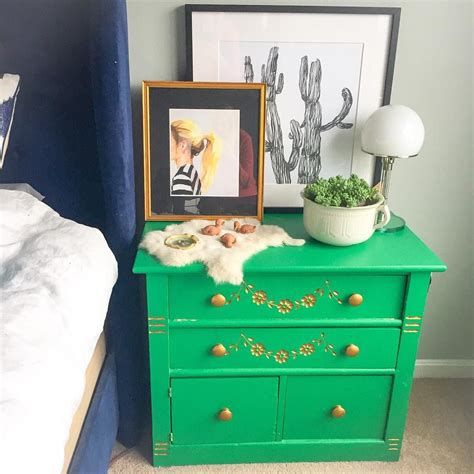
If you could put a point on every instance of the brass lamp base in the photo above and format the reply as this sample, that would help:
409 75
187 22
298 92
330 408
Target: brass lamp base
395 223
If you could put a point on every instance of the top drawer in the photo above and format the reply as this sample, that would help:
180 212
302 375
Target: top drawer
286 295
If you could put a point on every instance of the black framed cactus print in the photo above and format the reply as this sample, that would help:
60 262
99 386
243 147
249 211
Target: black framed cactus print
326 69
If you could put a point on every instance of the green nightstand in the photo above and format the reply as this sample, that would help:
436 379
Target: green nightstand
310 359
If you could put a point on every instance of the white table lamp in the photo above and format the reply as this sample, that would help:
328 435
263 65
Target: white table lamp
393 131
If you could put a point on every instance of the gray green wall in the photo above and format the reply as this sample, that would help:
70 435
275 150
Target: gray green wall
433 192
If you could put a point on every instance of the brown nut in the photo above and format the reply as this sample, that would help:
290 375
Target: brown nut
228 240
247 229
211 230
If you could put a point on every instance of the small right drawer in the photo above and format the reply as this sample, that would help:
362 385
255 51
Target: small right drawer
337 407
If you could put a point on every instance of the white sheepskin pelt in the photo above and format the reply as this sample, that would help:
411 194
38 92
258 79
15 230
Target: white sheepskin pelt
224 265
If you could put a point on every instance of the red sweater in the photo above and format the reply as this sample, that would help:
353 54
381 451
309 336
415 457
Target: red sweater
247 182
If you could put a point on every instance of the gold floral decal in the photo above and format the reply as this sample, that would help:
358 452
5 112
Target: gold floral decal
257 349
284 306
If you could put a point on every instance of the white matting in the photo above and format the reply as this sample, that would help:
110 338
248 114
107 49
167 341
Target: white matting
225 265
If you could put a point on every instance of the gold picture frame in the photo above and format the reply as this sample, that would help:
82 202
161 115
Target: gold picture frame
160 100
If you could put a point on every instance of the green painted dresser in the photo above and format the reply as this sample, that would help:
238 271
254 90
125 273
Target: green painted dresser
310 359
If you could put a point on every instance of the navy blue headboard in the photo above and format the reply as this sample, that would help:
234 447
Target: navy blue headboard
72 141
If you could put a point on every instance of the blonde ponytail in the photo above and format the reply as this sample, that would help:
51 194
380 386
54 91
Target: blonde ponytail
210 159
210 143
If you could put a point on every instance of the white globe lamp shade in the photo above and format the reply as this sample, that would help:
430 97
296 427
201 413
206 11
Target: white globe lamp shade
393 131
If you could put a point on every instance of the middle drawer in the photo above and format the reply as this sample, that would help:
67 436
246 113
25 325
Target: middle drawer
349 348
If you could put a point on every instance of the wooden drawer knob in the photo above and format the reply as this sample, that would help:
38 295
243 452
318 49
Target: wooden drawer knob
218 300
338 411
355 299
219 350
225 415
352 350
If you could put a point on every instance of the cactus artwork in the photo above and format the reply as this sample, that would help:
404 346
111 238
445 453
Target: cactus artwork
305 135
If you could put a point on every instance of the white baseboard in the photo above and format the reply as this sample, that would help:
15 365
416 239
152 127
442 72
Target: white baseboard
444 368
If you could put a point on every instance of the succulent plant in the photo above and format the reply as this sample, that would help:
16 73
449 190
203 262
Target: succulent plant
341 192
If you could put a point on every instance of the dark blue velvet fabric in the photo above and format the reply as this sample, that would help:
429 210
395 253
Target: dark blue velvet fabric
72 141
97 438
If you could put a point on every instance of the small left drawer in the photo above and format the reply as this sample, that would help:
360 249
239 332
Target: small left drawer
224 410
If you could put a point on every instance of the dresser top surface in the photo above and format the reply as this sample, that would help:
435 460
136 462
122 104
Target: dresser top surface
399 252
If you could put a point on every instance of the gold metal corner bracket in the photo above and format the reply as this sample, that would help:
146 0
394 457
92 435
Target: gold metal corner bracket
412 324
156 325
393 444
160 449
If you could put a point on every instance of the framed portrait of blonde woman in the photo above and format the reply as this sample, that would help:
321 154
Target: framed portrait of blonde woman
203 150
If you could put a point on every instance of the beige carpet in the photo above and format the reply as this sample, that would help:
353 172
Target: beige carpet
438 439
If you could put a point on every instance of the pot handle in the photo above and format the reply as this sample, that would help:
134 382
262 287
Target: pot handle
383 208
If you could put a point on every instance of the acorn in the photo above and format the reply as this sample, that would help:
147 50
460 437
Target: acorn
228 240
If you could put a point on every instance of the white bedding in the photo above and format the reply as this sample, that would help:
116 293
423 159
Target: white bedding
56 277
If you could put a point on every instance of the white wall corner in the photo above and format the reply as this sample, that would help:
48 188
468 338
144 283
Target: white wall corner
444 368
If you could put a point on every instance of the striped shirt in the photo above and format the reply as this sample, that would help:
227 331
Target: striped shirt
186 182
